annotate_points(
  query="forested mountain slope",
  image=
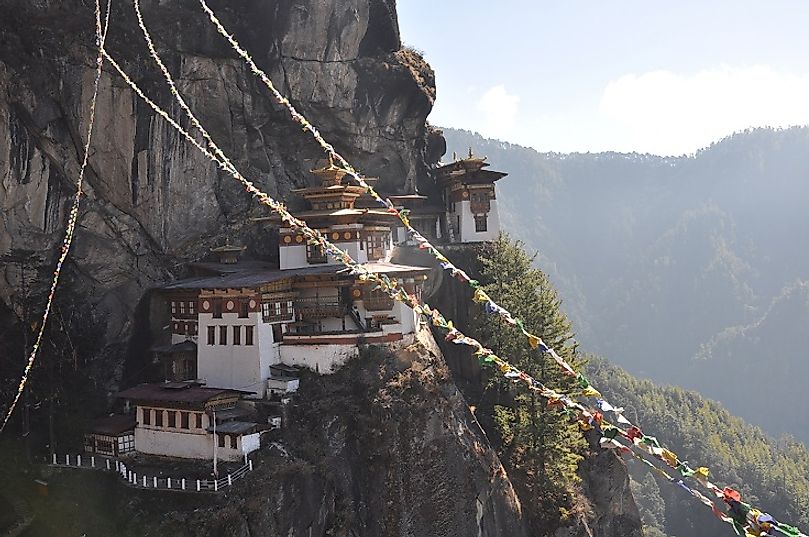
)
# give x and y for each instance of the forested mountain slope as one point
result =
(773, 474)
(677, 267)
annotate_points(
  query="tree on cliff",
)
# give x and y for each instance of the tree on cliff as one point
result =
(540, 446)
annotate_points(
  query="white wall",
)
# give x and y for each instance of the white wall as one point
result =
(292, 256)
(240, 367)
(283, 385)
(250, 443)
(295, 256)
(468, 233)
(173, 444)
(406, 317)
(321, 358)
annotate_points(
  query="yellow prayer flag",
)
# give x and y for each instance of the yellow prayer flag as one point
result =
(670, 457)
(701, 473)
(590, 392)
(533, 341)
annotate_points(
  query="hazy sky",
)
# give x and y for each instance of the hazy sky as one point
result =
(665, 77)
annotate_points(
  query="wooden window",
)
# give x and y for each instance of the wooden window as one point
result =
(244, 308)
(223, 335)
(173, 307)
(376, 300)
(192, 307)
(184, 420)
(158, 418)
(237, 335)
(211, 335)
(172, 419)
(481, 223)
(217, 308)
(376, 244)
(182, 308)
(146, 416)
(315, 254)
(198, 420)
(248, 335)
(126, 444)
(221, 440)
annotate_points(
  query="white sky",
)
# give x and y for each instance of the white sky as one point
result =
(628, 75)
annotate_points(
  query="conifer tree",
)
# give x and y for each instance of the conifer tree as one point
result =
(540, 446)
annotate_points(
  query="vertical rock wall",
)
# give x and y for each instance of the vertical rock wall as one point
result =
(152, 201)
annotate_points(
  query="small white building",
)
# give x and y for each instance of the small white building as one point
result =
(186, 420)
(470, 199)
(461, 207)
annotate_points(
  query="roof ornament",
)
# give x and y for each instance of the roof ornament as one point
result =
(228, 254)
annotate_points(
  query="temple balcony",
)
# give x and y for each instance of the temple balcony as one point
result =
(319, 308)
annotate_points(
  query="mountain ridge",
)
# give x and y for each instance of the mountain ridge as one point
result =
(655, 256)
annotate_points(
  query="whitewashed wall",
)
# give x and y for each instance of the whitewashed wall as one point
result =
(173, 444)
(240, 367)
(468, 233)
(321, 358)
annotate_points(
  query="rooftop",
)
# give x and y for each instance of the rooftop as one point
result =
(232, 278)
(185, 346)
(233, 427)
(176, 392)
(113, 425)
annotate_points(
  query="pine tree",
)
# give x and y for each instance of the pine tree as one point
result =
(540, 446)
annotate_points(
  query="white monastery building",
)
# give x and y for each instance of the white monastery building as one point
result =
(242, 329)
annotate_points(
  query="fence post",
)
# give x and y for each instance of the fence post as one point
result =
(54, 458)
(67, 459)
(250, 462)
(144, 481)
(78, 460)
(108, 464)
(183, 483)
(92, 461)
(230, 480)
(169, 481)
(155, 482)
(216, 485)
(129, 475)
(197, 485)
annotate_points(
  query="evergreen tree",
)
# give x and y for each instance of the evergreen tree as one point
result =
(540, 446)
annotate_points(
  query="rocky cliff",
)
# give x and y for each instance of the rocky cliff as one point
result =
(152, 201)
(388, 446)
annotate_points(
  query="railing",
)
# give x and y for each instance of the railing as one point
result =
(373, 303)
(313, 307)
(133, 479)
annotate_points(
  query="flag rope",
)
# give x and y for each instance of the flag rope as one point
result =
(390, 287)
(73, 215)
(479, 296)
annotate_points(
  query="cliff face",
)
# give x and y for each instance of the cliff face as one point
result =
(384, 447)
(153, 202)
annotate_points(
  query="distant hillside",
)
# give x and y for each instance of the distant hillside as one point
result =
(773, 474)
(663, 261)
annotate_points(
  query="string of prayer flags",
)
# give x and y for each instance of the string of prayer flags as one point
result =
(423, 243)
(73, 214)
(382, 282)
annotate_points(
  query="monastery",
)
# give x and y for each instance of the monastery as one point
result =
(240, 330)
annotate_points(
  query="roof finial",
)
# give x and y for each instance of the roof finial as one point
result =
(470, 151)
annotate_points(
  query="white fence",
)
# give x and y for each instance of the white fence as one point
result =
(141, 480)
